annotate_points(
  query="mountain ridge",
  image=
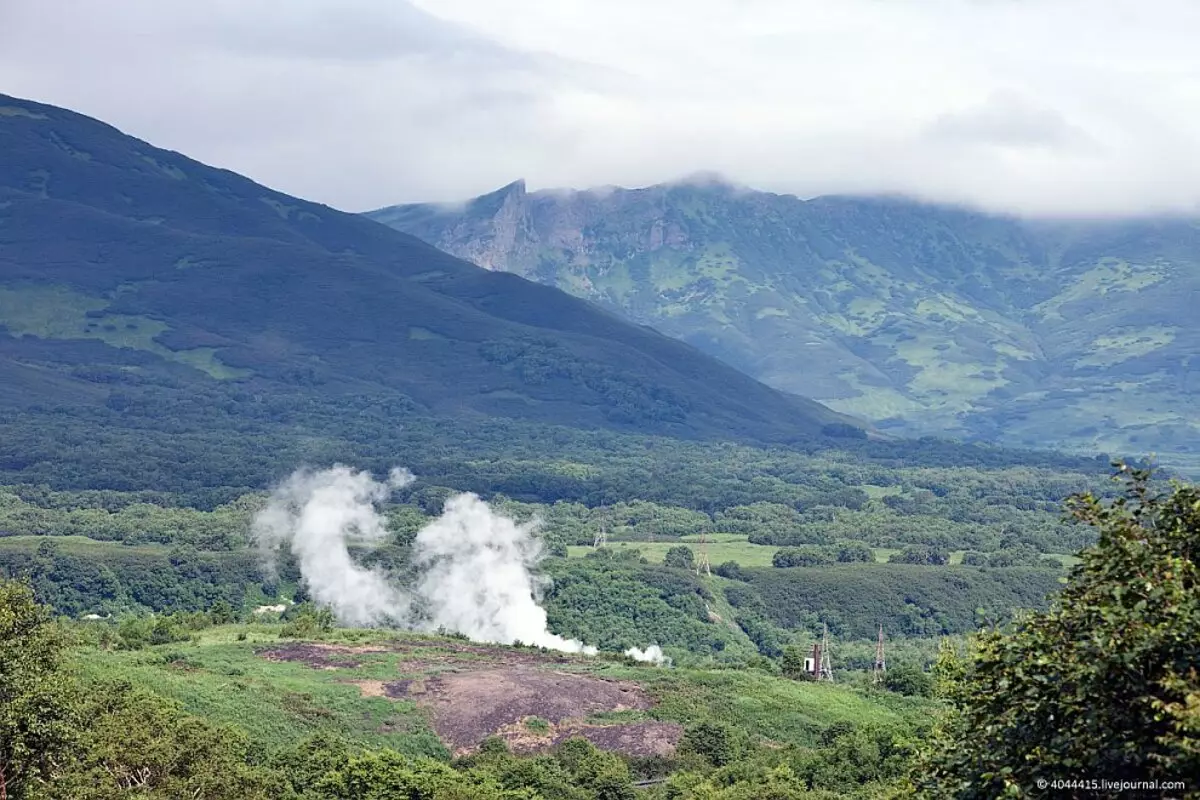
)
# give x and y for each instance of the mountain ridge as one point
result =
(922, 318)
(123, 265)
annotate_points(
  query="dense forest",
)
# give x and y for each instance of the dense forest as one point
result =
(977, 532)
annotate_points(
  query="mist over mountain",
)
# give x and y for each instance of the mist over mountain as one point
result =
(925, 319)
(132, 276)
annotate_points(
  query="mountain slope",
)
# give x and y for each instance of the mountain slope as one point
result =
(924, 318)
(124, 266)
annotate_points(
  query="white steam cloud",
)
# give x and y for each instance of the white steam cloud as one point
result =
(316, 513)
(478, 576)
(476, 566)
(652, 654)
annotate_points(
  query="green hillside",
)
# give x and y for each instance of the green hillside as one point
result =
(287, 690)
(921, 318)
(137, 281)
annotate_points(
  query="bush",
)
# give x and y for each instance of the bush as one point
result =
(792, 663)
(680, 557)
(921, 555)
(306, 621)
(712, 740)
(801, 557)
(850, 552)
(908, 680)
(731, 570)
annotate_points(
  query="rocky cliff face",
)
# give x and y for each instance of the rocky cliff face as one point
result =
(924, 318)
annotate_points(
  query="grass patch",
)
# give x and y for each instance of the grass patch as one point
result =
(882, 554)
(1123, 345)
(776, 708)
(57, 312)
(18, 111)
(743, 552)
(278, 703)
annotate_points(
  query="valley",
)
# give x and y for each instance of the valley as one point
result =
(294, 505)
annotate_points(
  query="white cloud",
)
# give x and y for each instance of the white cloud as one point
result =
(1041, 106)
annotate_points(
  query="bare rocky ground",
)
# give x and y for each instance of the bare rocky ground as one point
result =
(528, 698)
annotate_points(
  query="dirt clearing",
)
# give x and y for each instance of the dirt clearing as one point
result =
(319, 656)
(469, 706)
(472, 691)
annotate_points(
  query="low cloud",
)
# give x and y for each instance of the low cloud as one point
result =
(1047, 107)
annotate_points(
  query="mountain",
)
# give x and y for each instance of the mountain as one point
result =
(922, 318)
(125, 268)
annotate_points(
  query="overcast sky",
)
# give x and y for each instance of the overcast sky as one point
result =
(1037, 106)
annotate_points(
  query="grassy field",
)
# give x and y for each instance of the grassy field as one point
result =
(735, 548)
(1065, 560)
(56, 312)
(276, 702)
(279, 701)
(78, 545)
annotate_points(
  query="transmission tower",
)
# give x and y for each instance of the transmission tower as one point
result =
(880, 661)
(601, 539)
(702, 565)
(825, 666)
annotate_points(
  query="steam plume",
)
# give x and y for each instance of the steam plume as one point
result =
(476, 566)
(478, 577)
(315, 513)
(652, 654)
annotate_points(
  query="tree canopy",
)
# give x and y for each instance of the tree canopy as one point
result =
(1105, 684)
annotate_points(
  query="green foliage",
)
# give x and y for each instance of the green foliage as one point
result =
(306, 621)
(731, 570)
(384, 774)
(616, 605)
(680, 557)
(907, 679)
(134, 518)
(907, 599)
(38, 721)
(136, 743)
(852, 552)
(79, 576)
(1105, 683)
(713, 740)
(308, 761)
(922, 555)
(803, 557)
(792, 663)
(137, 632)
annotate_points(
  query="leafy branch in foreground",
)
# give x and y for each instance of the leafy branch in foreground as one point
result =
(37, 720)
(1103, 685)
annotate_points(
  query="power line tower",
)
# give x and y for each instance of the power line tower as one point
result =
(880, 661)
(601, 539)
(824, 667)
(702, 565)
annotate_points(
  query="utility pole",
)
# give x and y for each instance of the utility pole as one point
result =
(880, 661)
